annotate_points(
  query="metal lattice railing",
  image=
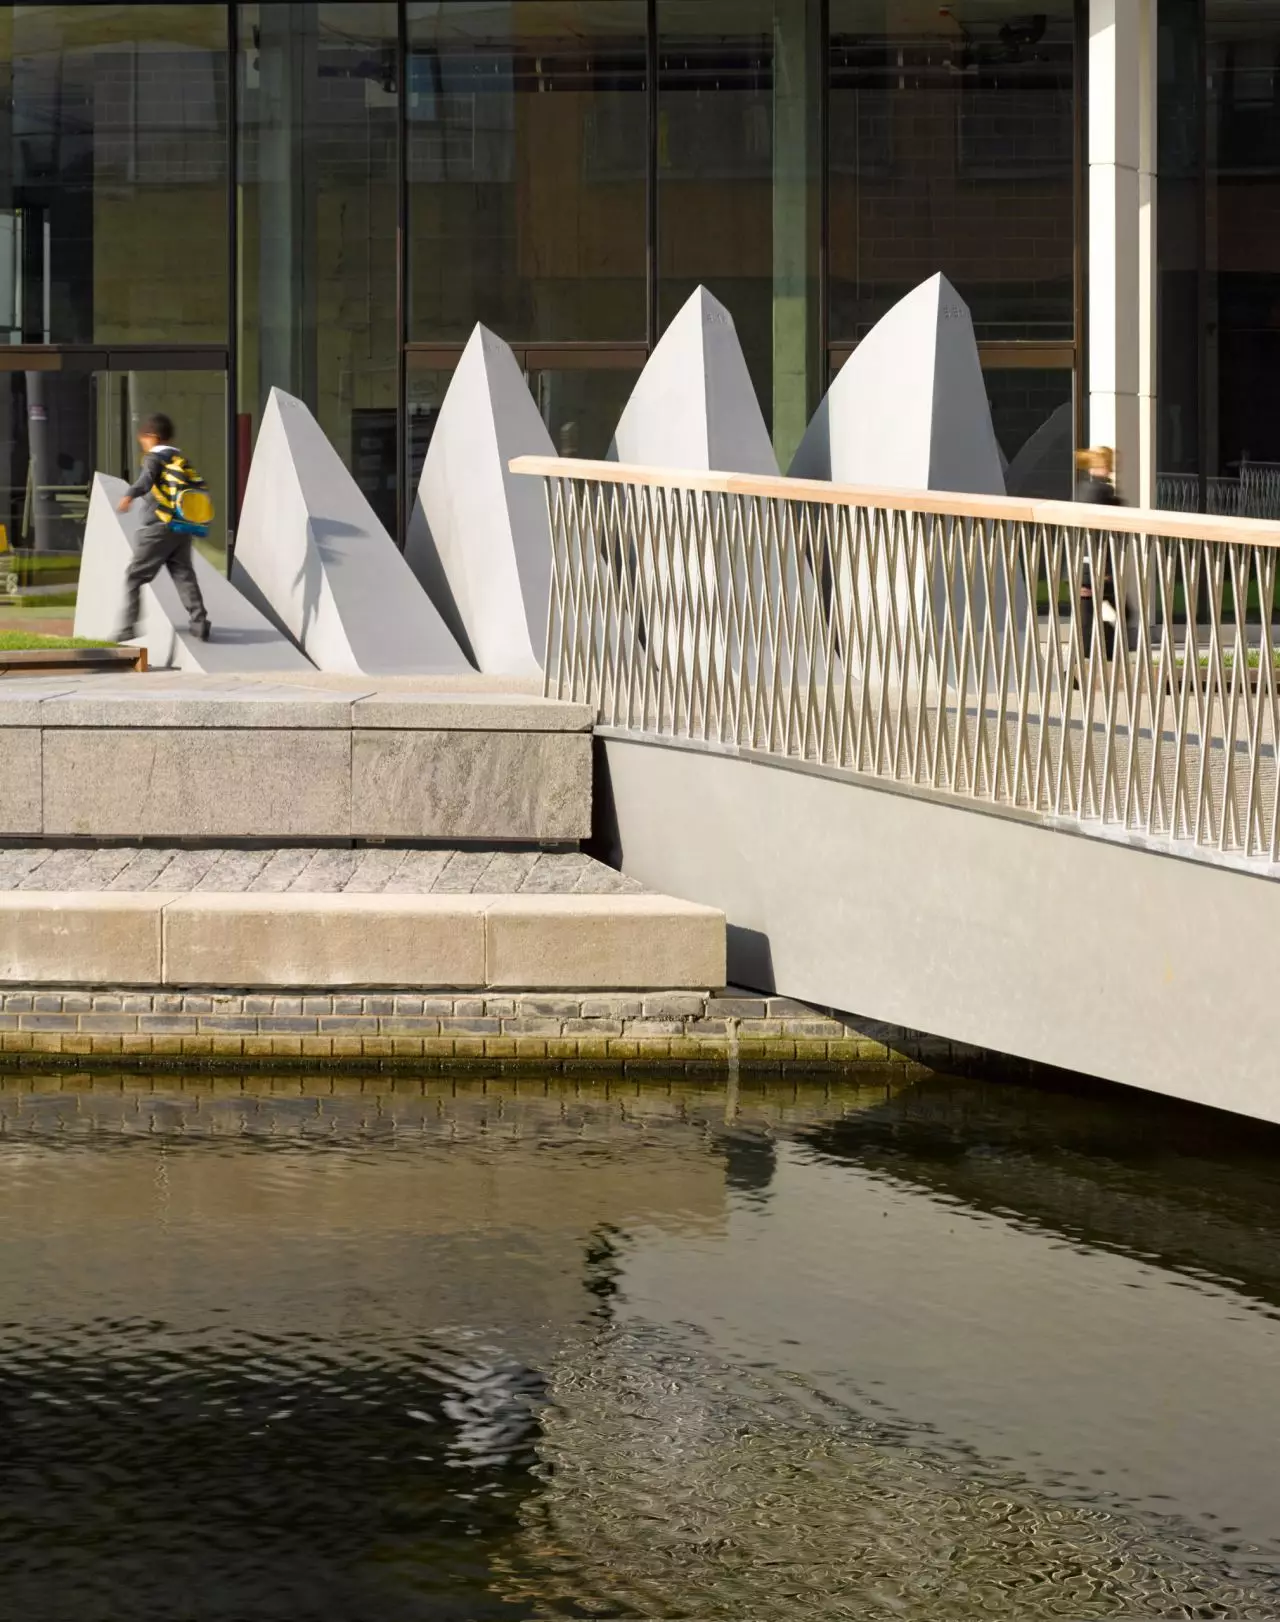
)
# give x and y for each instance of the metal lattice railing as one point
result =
(1101, 667)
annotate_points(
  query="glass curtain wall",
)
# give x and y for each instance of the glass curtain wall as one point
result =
(738, 185)
(334, 194)
(1219, 256)
(527, 130)
(113, 212)
(953, 146)
(1180, 251)
(114, 172)
(1241, 371)
(526, 163)
(317, 213)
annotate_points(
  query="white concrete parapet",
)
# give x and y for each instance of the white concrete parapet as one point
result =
(312, 555)
(242, 640)
(478, 539)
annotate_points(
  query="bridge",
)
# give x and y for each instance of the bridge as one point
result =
(882, 731)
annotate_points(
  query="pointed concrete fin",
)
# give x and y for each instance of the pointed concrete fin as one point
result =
(1045, 466)
(478, 538)
(909, 408)
(311, 551)
(242, 638)
(693, 405)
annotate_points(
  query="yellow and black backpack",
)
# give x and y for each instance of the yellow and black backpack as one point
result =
(182, 499)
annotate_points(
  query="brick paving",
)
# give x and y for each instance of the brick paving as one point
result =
(398, 870)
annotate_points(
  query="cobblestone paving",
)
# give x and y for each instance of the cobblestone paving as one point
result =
(393, 869)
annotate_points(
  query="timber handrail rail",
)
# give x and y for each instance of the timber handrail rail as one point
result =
(1063, 514)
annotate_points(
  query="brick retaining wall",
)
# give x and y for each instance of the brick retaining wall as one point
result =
(549, 1030)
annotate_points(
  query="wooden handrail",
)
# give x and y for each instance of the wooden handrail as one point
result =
(946, 503)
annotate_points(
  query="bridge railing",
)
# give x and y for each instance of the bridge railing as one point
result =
(1105, 668)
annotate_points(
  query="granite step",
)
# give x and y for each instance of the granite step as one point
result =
(316, 870)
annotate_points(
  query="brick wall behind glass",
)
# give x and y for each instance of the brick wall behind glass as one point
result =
(925, 181)
(159, 163)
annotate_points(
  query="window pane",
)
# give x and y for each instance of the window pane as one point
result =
(1179, 227)
(1242, 332)
(113, 174)
(715, 166)
(1031, 412)
(581, 407)
(318, 135)
(527, 169)
(738, 185)
(952, 149)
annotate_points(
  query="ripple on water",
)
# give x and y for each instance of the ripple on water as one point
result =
(394, 1355)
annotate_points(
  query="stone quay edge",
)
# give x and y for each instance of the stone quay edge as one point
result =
(149, 938)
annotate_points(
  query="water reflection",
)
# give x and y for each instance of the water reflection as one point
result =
(425, 1351)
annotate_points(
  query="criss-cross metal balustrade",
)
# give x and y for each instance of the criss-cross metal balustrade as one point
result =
(1109, 669)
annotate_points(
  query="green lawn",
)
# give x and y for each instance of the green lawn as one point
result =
(11, 640)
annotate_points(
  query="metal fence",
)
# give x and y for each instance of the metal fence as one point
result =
(1253, 493)
(1037, 657)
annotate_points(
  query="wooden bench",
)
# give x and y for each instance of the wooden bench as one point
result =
(70, 661)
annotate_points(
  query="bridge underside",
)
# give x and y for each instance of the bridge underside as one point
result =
(1122, 963)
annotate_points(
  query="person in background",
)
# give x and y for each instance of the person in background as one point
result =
(1096, 485)
(158, 545)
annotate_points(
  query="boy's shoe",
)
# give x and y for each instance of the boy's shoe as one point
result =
(202, 630)
(126, 633)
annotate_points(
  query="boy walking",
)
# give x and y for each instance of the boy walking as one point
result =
(162, 542)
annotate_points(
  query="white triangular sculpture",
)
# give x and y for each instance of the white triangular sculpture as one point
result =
(1045, 466)
(479, 541)
(312, 554)
(242, 639)
(909, 411)
(693, 405)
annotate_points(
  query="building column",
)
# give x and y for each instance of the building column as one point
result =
(1122, 262)
(797, 55)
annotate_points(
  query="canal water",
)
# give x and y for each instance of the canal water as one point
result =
(373, 1352)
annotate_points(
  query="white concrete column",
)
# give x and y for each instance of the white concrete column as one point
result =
(1122, 267)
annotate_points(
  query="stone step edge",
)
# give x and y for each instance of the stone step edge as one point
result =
(462, 942)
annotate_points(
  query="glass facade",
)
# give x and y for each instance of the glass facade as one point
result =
(201, 202)
(316, 226)
(114, 170)
(526, 170)
(953, 147)
(1219, 256)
